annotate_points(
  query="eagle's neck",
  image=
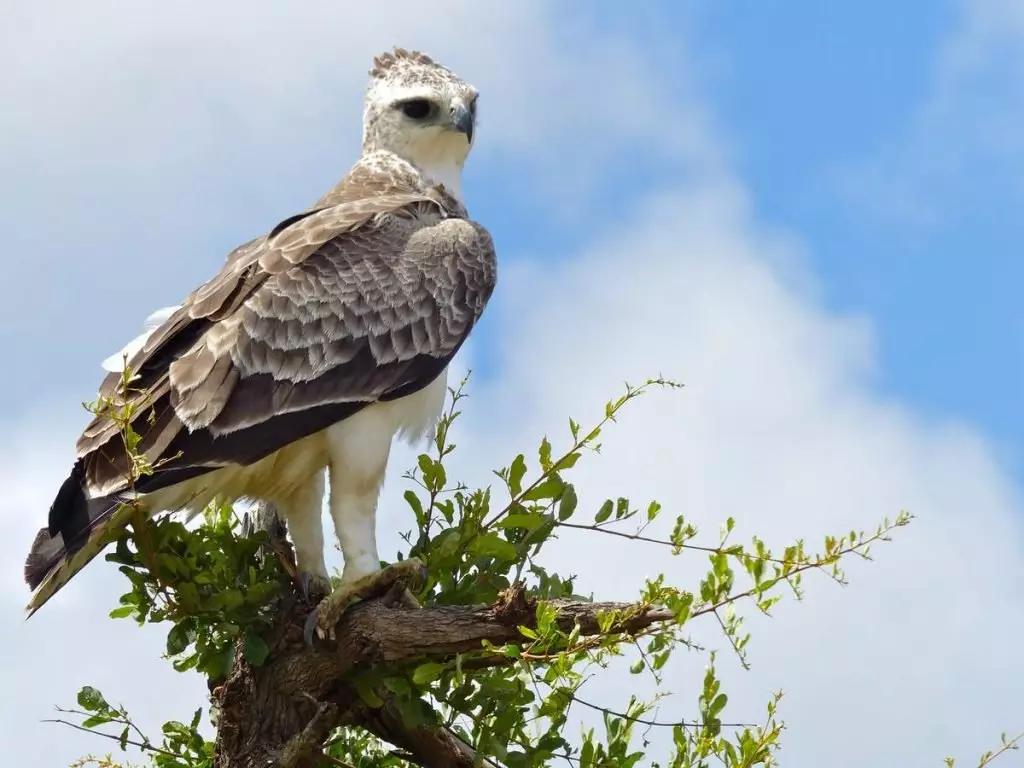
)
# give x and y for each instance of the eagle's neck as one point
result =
(449, 174)
(384, 172)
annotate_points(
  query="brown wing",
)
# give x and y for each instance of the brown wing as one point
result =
(319, 328)
(248, 268)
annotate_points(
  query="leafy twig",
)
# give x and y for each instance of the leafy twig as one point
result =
(655, 723)
(146, 746)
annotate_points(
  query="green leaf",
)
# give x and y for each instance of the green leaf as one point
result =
(718, 704)
(567, 504)
(95, 720)
(544, 455)
(549, 488)
(367, 694)
(413, 712)
(527, 520)
(492, 545)
(567, 462)
(621, 508)
(178, 639)
(446, 543)
(427, 673)
(123, 612)
(397, 685)
(434, 476)
(414, 501)
(652, 510)
(426, 464)
(255, 650)
(91, 700)
(545, 613)
(515, 475)
(604, 512)
(527, 632)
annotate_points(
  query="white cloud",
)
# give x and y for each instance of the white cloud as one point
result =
(166, 135)
(779, 427)
(778, 424)
(171, 86)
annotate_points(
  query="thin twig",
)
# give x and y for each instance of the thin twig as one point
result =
(734, 550)
(1007, 746)
(656, 723)
(732, 641)
(797, 569)
(146, 747)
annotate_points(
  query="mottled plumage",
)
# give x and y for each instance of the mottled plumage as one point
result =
(312, 347)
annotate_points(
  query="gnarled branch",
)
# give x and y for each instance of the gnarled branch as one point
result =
(280, 714)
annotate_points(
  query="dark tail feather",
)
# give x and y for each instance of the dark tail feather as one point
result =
(75, 536)
(45, 553)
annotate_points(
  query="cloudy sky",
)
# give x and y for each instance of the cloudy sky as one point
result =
(806, 212)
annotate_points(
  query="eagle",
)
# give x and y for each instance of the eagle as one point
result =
(305, 356)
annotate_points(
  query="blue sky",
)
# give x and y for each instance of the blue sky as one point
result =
(847, 85)
(806, 212)
(810, 97)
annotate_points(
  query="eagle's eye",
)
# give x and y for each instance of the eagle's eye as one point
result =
(417, 109)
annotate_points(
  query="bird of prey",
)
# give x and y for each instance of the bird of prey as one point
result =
(313, 347)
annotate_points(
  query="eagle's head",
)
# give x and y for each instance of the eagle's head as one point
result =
(422, 112)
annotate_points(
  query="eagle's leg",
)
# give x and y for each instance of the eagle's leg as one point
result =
(359, 454)
(302, 511)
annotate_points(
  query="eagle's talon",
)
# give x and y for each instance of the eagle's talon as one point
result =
(309, 627)
(325, 617)
(309, 584)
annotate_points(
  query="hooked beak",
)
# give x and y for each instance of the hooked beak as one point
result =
(462, 121)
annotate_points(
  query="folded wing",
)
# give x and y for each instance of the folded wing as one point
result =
(336, 309)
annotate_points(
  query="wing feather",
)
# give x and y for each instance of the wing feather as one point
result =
(245, 271)
(345, 306)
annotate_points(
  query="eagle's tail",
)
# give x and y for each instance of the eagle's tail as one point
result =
(80, 530)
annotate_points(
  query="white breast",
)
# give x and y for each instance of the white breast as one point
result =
(413, 417)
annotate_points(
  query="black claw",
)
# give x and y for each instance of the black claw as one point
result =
(306, 586)
(310, 627)
(311, 587)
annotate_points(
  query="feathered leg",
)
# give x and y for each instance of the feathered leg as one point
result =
(359, 450)
(303, 512)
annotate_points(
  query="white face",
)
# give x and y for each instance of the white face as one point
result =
(430, 126)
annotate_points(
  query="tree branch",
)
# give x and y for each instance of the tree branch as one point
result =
(429, 746)
(280, 714)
